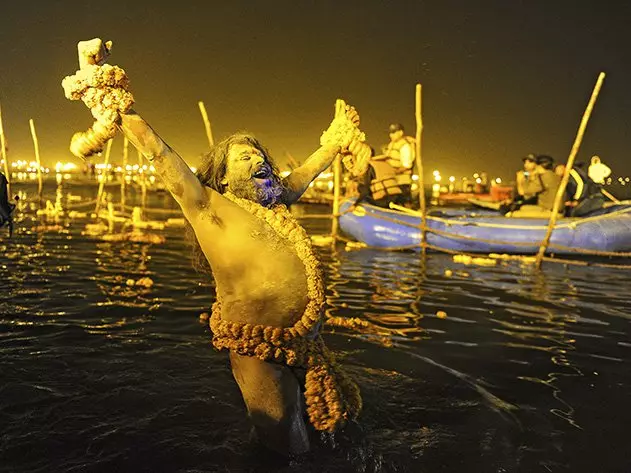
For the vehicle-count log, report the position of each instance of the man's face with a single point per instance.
(529, 165)
(396, 135)
(250, 176)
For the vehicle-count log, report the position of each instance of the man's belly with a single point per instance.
(267, 299)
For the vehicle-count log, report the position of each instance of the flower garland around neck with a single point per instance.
(331, 396)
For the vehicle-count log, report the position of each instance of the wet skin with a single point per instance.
(259, 277)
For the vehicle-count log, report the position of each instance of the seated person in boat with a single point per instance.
(597, 170)
(377, 184)
(6, 207)
(582, 194)
(400, 155)
(542, 183)
(269, 290)
(521, 198)
(529, 164)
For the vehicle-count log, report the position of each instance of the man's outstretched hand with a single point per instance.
(93, 52)
(342, 109)
(344, 128)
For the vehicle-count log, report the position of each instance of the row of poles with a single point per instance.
(3, 151)
(559, 198)
(108, 149)
(337, 168)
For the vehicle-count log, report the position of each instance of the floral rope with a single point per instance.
(105, 91)
(331, 396)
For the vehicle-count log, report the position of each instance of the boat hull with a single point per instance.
(474, 233)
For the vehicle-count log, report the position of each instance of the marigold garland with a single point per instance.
(105, 91)
(331, 396)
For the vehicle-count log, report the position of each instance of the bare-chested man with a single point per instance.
(260, 277)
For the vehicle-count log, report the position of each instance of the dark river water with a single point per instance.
(464, 368)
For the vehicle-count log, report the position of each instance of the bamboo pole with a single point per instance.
(99, 194)
(143, 182)
(560, 196)
(124, 173)
(3, 152)
(40, 183)
(337, 181)
(419, 167)
(209, 133)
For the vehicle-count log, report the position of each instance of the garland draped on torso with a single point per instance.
(331, 396)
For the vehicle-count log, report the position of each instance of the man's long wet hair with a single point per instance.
(211, 172)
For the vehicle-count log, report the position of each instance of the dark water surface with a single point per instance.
(527, 372)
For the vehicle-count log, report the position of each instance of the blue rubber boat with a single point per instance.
(488, 232)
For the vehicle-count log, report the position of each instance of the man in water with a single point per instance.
(6, 208)
(269, 291)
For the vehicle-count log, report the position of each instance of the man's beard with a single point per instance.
(266, 193)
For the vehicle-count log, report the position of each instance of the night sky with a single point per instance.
(501, 78)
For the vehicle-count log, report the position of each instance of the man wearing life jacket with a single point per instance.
(378, 184)
(598, 171)
(543, 183)
(583, 195)
(400, 155)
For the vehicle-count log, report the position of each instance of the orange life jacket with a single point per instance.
(385, 181)
(404, 175)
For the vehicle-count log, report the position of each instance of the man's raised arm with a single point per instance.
(300, 178)
(104, 90)
(178, 178)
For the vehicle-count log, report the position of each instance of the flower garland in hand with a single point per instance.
(105, 91)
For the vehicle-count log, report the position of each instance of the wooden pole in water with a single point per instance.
(124, 173)
(141, 177)
(419, 167)
(560, 196)
(209, 133)
(40, 183)
(99, 194)
(337, 181)
(3, 152)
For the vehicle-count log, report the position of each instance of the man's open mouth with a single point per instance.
(262, 173)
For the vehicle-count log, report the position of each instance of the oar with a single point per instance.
(400, 208)
(609, 196)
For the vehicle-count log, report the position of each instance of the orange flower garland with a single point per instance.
(331, 396)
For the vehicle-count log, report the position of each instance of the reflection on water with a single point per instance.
(105, 366)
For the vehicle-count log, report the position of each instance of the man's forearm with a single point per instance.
(298, 181)
(176, 174)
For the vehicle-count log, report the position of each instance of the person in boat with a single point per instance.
(598, 171)
(583, 195)
(269, 290)
(6, 207)
(378, 183)
(521, 197)
(400, 156)
(542, 183)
